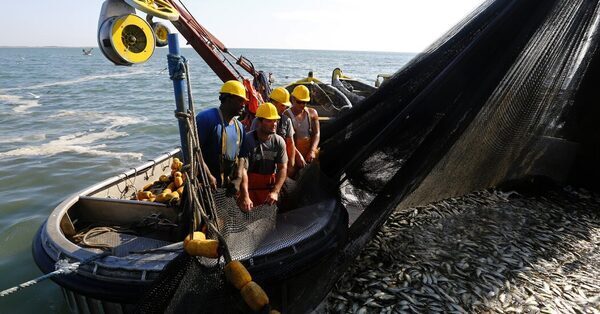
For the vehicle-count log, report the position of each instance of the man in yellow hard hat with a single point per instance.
(267, 161)
(307, 131)
(280, 98)
(221, 137)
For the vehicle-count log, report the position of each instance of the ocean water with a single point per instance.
(68, 121)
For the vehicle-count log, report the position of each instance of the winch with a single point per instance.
(124, 37)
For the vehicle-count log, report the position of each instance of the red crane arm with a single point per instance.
(212, 50)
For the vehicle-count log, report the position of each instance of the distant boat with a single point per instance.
(87, 52)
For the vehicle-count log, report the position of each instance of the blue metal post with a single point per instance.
(176, 71)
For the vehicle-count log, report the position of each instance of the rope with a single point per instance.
(259, 81)
(331, 103)
(201, 204)
(176, 66)
(152, 220)
(63, 268)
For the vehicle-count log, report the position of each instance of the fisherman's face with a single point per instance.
(298, 103)
(268, 126)
(236, 105)
(280, 107)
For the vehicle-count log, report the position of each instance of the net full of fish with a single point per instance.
(489, 251)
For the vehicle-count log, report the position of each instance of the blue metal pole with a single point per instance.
(176, 72)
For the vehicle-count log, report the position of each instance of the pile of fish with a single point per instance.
(489, 251)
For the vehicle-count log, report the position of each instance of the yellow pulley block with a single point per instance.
(159, 8)
(161, 33)
(126, 39)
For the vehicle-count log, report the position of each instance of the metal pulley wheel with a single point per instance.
(126, 39)
(159, 8)
(161, 31)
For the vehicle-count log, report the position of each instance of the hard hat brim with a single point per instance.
(236, 95)
(307, 99)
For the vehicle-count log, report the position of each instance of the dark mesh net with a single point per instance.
(487, 103)
(243, 232)
(507, 94)
(519, 131)
(197, 285)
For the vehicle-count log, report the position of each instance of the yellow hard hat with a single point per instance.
(301, 93)
(267, 111)
(234, 87)
(281, 95)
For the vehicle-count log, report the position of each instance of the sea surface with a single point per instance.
(68, 121)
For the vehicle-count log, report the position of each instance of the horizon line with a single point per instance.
(255, 48)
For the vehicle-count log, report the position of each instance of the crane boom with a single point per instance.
(126, 39)
(206, 45)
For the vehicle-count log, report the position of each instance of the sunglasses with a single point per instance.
(301, 102)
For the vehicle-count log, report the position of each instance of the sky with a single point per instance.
(362, 25)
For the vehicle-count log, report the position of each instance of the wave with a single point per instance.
(99, 117)
(22, 104)
(75, 81)
(28, 138)
(74, 143)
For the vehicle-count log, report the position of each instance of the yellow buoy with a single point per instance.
(147, 186)
(142, 195)
(237, 274)
(178, 181)
(198, 235)
(206, 248)
(255, 296)
(164, 178)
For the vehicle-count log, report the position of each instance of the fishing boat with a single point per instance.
(402, 144)
(121, 243)
(142, 237)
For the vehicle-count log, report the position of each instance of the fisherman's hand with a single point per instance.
(212, 181)
(300, 162)
(272, 198)
(245, 203)
(311, 156)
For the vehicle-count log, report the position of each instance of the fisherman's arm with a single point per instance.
(281, 164)
(279, 180)
(290, 148)
(299, 158)
(212, 181)
(201, 128)
(244, 202)
(315, 136)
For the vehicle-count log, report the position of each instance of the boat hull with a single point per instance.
(285, 263)
(286, 280)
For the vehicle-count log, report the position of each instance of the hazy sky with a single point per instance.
(370, 25)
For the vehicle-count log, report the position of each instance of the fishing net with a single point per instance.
(489, 102)
(506, 94)
(196, 284)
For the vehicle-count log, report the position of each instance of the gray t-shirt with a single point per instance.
(284, 126)
(263, 156)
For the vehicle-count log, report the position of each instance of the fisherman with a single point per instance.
(280, 98)
(307, 131)
(267, 161)
(221, 137)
